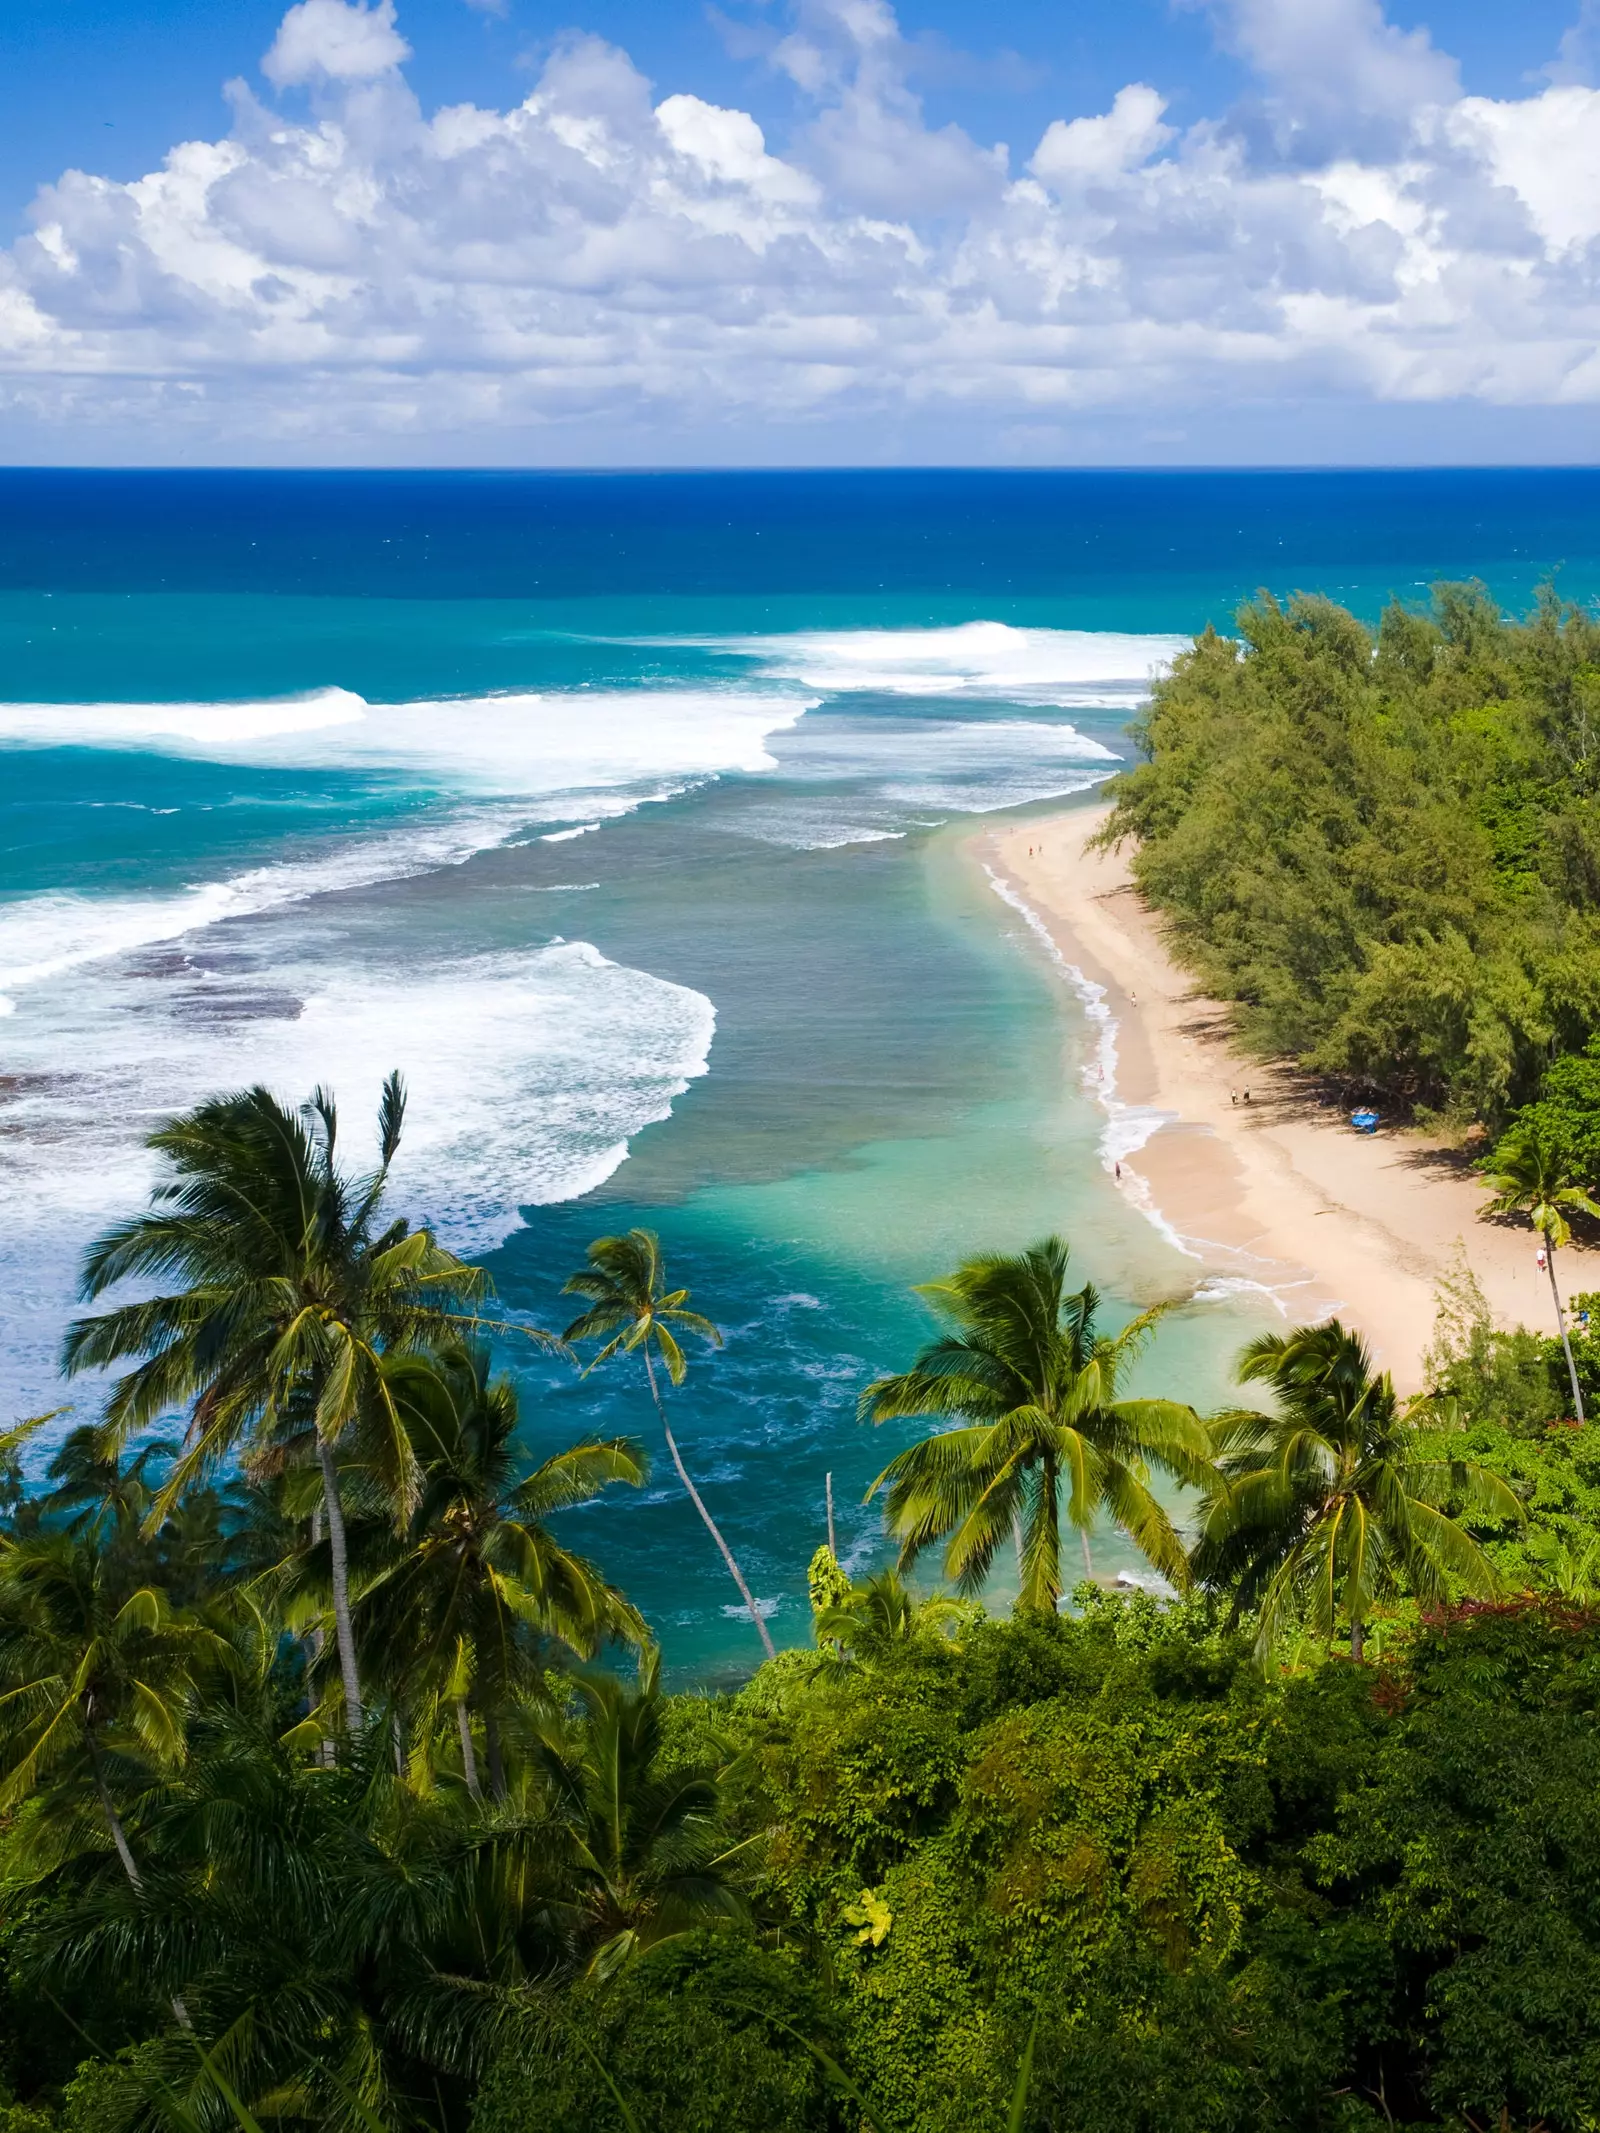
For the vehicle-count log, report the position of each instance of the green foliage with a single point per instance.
(1385, 849)
(1515, 1378)
(1030, 1385)
(1340, 1498)
(1094, 1872)
(25, 2118)
(1566, 1112)
(826, 1583)
(1471, 1841)
(698, 2038)
(969, 1827)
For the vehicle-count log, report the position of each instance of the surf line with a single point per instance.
(1128, 1126)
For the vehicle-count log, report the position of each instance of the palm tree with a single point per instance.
(1335, 1501)
(1024, 1370)
(336, 1935)
(1530, 1177)
(873, 1617)
(99, 1681)
(646, 1858)
(481, 1574)
(631, 1309)
(103, 1493)
(293, 1291)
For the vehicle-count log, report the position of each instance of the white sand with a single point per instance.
(1280, 1190)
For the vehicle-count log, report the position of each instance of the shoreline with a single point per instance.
(1242, 1166)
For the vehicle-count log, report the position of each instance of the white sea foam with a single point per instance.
(530, 744)
(529, 1073)
(1225, 1288)
(45, 935)
(201, 728)
(1128, 1126)
(982, 659)
(915, 762)
(590, 753)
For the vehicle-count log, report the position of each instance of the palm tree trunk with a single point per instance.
(344, 1631)
(710, 1523)
(119, 1835)
(314, 1642)
(469, 1754)
(1561, 1321)
(119, 1838)
(1357, 1641)
(491, 1746)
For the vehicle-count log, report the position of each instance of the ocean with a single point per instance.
(633, 817)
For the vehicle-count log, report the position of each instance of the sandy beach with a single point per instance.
(1277, 1190)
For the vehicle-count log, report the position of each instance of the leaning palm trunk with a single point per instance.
(469, 1754)
(119, 1835)
(1561, 1323)
(710, 1523)
(119, 1838)
(344, 1631)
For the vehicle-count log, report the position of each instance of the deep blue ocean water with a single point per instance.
(634, 817)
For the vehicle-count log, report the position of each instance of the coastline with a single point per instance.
(1275, 1195)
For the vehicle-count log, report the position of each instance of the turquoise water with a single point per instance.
(636, 820)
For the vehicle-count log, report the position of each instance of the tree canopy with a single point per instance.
(1385, 846)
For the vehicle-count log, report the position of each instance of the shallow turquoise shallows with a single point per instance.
(638, 820)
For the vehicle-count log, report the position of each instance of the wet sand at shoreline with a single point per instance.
(1278, 1192)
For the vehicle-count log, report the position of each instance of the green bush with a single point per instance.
(1385, 848)
(694, 2039)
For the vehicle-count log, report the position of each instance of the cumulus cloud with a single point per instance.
(326, 37)
(599, 261)
(1078, 151)
(1337, 74)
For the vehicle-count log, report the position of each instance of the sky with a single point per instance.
(763, 232)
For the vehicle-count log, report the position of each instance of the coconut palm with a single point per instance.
(647, 1861)
(873, 1617)
(1530, 1177)
(335, 1935)
(1335, 1501)
(294, 1287)
(1032, 1389)
(632, 1311)
(481, 1577)
(99, 1680)
(102, 1494)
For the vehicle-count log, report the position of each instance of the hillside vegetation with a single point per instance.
(1385, 847)
(339, 1793)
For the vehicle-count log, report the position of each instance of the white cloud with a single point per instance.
(1079, 151)
(596, 264)
(326, 37)
(1337, 73)
(1579, 50)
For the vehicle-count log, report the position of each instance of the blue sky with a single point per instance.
(76, 71)
(799, 230)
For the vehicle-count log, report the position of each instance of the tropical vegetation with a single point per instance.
(339, 1788)
(1384, 846)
